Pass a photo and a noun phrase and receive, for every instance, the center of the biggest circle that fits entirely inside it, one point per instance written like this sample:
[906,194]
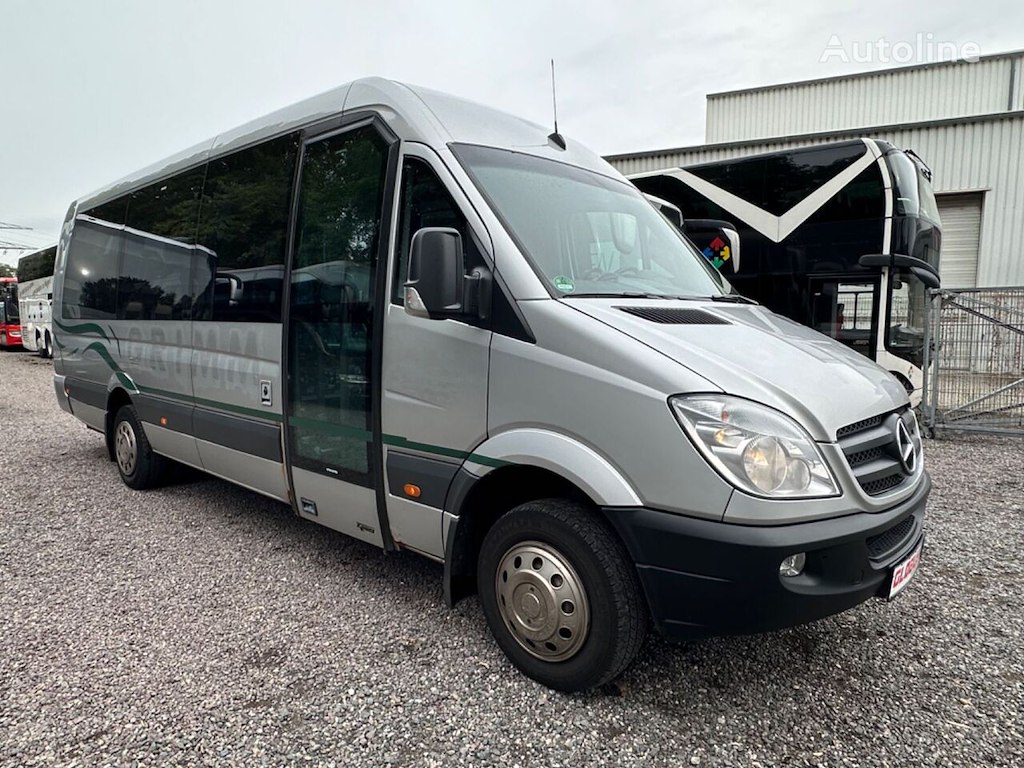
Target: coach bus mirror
[926,276]
[718,240]
[921,269]
[730,235]
[437,274]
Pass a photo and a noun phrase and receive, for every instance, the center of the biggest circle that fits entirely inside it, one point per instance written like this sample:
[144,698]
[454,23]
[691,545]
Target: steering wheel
[624,272]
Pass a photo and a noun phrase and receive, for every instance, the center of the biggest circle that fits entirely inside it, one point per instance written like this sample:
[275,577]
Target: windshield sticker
[563,283]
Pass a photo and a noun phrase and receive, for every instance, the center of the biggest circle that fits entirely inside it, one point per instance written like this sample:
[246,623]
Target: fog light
[793,565]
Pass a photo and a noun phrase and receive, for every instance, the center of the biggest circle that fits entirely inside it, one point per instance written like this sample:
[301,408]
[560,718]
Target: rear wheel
[139,467]
[561,594]
[48,346]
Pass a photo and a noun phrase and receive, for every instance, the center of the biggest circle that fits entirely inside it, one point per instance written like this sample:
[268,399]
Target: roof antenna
[555,138]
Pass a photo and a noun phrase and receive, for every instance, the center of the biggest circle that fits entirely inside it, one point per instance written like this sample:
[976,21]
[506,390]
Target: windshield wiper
[622,295]
[732,298]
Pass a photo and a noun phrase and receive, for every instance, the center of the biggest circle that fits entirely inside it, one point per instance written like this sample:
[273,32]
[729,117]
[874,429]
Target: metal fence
[976,344]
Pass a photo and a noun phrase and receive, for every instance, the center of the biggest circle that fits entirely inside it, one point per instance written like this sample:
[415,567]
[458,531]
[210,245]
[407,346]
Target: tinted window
[114,212]
[155,281]
[425,203]
[157,254]
[90,278]
[779,181]
[168,208]
[331,306]
[36,265]
[243,225]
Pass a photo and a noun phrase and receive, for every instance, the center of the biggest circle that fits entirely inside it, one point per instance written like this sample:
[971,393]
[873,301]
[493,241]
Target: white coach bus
[35,300]
[437,327]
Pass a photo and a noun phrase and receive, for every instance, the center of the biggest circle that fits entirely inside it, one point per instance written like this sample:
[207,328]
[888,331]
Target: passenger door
[332,345]
[434,371]
[845,308]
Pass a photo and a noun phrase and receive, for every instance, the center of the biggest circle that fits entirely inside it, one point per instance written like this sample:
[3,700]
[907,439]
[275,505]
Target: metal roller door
[961,234]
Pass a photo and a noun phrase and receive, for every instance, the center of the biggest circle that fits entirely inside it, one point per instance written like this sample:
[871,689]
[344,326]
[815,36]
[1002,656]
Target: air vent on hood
[674,316]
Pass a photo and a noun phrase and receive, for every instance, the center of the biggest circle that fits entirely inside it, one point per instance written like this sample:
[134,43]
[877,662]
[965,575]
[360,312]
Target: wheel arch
[511,469]
[117,398]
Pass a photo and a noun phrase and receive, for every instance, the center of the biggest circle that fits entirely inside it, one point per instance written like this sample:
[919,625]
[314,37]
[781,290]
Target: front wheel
[561,595]
[138,466]
[48,347]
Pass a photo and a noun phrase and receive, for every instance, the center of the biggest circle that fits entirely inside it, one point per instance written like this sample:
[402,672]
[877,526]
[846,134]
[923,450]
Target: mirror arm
[477,293]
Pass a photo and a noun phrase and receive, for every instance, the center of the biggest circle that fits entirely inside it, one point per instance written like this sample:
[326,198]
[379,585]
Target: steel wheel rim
[126,448]
[542,601]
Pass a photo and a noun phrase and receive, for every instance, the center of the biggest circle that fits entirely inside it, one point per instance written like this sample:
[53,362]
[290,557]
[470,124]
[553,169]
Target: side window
[242,235]
[425,203]
[90,278]
[115,212]
[158,251]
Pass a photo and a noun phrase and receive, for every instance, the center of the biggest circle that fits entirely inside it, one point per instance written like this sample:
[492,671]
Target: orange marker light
[163,421]
[412,491]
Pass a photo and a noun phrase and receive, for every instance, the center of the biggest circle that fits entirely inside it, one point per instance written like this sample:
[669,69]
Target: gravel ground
[201,624]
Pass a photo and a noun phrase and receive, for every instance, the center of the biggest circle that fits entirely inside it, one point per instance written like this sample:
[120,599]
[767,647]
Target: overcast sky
[95,89]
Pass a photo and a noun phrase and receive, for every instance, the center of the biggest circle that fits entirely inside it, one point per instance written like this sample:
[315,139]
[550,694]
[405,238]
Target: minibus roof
[414,113]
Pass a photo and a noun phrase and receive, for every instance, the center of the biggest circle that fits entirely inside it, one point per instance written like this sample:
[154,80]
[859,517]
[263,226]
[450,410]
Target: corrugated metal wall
[909,95]
[986,155]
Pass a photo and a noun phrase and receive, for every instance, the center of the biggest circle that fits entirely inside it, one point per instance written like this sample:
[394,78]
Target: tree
[6,270]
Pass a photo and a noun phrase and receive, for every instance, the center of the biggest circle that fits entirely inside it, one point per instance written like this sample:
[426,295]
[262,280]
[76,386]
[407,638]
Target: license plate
[904,572]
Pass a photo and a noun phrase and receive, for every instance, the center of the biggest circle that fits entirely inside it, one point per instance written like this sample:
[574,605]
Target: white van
[432,326]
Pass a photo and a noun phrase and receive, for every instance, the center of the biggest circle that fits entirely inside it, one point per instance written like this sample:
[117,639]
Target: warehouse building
[965,119]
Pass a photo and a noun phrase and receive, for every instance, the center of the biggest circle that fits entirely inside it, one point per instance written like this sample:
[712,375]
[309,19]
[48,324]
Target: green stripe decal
[99,349]
[398,441]
[326,428]
[241,410]
[82,328]
[487,461]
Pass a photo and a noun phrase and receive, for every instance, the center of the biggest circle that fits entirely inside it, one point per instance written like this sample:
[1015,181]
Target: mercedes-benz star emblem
[905,446]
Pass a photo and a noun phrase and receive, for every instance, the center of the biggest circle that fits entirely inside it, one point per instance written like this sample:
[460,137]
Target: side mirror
[924,271]
[718,240]
[437,274]
[668,210]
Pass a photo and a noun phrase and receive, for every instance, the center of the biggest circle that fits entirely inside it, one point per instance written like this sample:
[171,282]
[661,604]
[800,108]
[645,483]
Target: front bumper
[704,577]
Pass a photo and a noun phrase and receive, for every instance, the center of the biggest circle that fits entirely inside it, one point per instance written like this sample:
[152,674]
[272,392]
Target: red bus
[10,320]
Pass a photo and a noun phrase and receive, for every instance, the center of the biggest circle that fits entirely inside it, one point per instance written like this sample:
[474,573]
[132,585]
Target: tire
[48,347]
[138,466]
[555,565]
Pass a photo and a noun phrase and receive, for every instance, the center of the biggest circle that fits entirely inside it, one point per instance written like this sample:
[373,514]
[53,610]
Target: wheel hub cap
[542,600]
[125,447]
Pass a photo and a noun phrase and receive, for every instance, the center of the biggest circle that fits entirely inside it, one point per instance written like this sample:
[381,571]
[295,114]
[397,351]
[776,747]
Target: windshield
[9,303]
[905,331]
[914,194]
[584,233]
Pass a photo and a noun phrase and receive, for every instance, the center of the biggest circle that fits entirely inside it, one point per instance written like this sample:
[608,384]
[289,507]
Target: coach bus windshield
[916,232]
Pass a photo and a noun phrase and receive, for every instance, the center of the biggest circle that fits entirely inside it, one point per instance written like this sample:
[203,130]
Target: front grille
[890,540]
[674,316]
[863,457]
[858,426]
[878,487]
[872,450]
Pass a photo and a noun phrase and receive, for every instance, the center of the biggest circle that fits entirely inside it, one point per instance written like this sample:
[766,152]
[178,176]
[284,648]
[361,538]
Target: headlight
[757,449]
